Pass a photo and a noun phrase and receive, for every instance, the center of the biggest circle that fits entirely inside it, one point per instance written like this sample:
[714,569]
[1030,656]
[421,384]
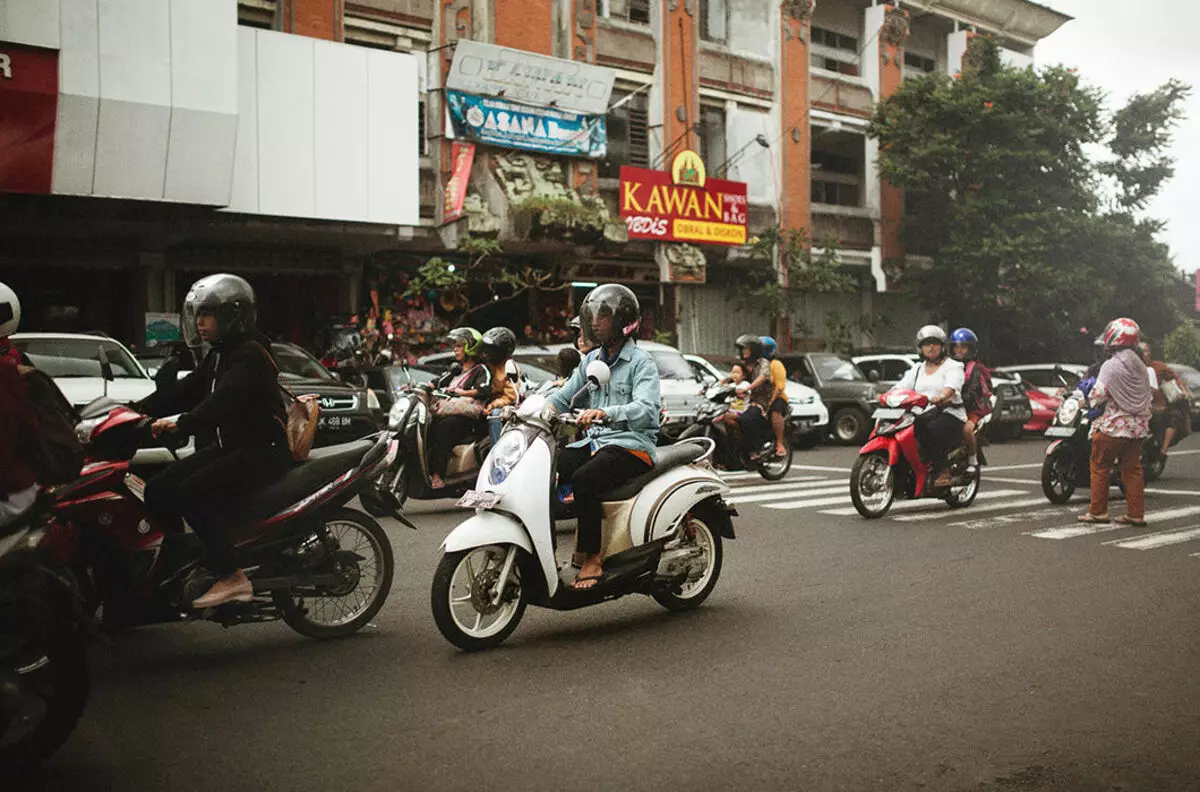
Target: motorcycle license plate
[392,452]
[474,499]
[887,414]
[1060,431]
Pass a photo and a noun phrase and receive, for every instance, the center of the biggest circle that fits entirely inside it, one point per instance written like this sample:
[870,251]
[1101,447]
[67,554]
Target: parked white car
[1049,378]
[888,368]
[809,417]
[72,360]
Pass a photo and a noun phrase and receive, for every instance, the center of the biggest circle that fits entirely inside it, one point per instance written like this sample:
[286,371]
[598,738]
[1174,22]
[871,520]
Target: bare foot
[435,482]
[780,451]
[589,574]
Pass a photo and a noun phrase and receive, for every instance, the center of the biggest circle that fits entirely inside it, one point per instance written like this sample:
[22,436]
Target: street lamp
[723,168]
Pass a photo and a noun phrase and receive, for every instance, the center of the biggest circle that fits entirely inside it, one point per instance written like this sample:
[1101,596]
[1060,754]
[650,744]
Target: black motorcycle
[731,453]
[43,659]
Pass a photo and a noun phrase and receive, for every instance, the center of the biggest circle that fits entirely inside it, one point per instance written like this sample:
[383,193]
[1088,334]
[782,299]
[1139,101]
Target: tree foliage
[1005,195]
[1182,345]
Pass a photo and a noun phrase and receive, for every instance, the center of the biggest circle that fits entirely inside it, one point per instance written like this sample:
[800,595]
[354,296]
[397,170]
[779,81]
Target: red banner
[28,107]
[462,157]
[654,206]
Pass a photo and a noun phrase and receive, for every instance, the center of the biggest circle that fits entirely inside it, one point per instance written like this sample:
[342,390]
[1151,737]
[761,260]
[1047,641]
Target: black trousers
[591,476]
[449,431]
[756,430]
[206,488]
[941,433]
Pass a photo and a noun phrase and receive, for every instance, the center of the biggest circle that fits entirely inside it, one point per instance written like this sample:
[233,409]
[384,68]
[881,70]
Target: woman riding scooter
[459,417]
[941,379]
[232,403]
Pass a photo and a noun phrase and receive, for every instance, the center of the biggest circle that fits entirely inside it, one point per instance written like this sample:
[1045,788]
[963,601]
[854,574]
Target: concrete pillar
[956,49]
[584,176]
[886,29]
[153,266]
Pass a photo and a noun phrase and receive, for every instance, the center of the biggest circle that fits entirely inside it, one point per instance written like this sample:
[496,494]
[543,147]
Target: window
[712,137]
[714,20]
[422,140]
[628,136]
[635,11]
[916,64]
[834,193]
[835,52]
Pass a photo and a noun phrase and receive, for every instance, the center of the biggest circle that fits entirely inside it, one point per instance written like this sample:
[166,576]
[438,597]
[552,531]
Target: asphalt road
[983,649]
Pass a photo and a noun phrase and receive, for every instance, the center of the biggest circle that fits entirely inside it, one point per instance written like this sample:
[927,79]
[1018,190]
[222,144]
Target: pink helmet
[1121,334]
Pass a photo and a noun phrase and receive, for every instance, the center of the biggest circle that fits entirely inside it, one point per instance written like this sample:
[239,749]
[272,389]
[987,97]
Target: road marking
[1162,539]
[1157,491]
[785,483]
[974,509]
[930,503]
[821,468]
[1182,453]
[809,503]
[1027,482]
[1008,519]
[1086,529]
[1014,467]
[791,493]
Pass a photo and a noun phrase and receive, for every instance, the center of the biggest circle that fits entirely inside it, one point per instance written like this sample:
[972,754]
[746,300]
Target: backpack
[977,392]
[55,452]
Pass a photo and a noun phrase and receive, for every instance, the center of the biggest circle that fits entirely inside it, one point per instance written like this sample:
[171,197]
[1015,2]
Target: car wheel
[850,426]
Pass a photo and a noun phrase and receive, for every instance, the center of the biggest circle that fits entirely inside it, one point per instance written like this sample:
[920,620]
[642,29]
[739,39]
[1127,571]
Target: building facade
[775,94]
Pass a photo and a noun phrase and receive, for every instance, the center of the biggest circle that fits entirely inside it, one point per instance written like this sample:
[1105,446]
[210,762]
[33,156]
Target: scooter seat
[304,478]
[666,458]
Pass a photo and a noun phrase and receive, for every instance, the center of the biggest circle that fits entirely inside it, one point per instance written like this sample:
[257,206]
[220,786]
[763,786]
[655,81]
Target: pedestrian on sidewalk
[1124,388]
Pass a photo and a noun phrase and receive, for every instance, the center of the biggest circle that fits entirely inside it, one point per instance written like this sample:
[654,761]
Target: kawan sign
[683,205]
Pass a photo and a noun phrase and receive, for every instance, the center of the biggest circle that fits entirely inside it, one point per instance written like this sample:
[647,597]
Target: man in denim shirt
[621,446]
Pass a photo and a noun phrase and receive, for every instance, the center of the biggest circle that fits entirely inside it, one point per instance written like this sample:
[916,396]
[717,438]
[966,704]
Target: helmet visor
[602,313]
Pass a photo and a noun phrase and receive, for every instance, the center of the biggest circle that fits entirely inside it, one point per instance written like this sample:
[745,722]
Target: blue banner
[546,130]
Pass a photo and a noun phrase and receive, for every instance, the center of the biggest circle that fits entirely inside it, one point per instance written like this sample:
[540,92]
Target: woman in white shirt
[941,379]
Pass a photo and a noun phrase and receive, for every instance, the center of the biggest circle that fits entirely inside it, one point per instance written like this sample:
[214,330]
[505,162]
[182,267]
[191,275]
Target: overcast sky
[1127,46]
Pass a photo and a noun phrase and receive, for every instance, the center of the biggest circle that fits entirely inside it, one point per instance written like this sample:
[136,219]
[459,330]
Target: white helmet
[931,333]
[10,311]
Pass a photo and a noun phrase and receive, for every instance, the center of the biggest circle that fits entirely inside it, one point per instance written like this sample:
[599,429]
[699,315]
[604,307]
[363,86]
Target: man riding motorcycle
[232,404]
[753,424]
[621,420]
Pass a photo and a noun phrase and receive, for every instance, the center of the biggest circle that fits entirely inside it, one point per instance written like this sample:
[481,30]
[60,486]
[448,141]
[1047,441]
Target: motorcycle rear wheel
[702,532]
[335,614]
[44,677]
[461,598]
[1058,480]
[1153,467]
[964,496]
[874,502]
[775,468]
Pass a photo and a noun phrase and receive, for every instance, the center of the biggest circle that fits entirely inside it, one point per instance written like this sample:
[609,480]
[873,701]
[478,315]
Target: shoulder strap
[284,389]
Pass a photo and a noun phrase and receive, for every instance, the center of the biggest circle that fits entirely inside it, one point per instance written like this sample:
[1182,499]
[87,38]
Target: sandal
[591,580]
[1093,518]
[1125,519]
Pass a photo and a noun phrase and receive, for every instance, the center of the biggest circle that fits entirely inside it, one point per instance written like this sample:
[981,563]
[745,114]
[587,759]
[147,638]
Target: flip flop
[1127,520]
[582,578]
[1092,518]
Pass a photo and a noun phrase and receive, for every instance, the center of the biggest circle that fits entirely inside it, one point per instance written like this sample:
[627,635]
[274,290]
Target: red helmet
[1121,334]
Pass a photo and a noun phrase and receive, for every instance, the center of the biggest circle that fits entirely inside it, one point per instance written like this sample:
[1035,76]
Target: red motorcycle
[324,569]
[890,465]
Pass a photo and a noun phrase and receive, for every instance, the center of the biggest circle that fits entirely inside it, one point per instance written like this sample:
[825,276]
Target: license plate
[392,452]
[887,414]
[474,499]
[334,422]
[1060,431]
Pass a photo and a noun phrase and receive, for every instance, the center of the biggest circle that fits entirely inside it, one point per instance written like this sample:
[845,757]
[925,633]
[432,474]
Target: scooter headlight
[84,429]
[397,413]
[1068,411]
[507,454]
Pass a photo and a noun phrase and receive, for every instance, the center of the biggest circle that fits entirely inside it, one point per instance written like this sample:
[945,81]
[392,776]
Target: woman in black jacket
[233,406]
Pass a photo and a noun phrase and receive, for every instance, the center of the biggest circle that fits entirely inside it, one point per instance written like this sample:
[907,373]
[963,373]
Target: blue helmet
[964,335]
[769,347]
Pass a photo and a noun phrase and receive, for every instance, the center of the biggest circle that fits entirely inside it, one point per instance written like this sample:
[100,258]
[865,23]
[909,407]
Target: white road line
[1182,453]
[1157,491]
[973,509]
[997,520]
[1086,529]
[799,481]
[793,494]
[1013,467]
[928,503]
[1027,482]
[1162,539]
[822,468]
[809,503]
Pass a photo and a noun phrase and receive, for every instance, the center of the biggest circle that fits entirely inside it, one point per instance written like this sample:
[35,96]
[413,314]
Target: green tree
[1004,198]
[1182,345]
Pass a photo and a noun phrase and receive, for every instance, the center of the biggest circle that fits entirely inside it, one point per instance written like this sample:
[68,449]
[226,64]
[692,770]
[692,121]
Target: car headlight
[1068,411]
[397,413]
[372,400]
[507,454]
[84,429]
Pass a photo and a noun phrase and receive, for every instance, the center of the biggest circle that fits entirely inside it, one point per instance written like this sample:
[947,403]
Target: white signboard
[529,78]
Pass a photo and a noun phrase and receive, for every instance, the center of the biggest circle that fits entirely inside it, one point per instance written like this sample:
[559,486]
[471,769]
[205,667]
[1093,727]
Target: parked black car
[387,381]
[347,412]
[1012,410]
[847,393]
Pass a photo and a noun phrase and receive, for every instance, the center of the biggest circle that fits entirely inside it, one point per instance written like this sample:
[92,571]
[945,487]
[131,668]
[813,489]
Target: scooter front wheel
[464,602]
[872,485]
[1058,475]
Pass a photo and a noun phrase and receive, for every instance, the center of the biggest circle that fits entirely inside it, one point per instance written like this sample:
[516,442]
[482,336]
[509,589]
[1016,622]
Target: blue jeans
[494,426]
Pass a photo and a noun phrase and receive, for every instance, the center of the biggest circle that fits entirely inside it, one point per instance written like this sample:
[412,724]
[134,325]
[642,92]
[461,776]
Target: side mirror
[873,375]
[105,365]
[598,373]
[708,380]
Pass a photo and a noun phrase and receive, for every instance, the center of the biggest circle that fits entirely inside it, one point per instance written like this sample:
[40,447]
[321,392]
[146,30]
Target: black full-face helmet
[752,342]
[497,345]
[229,299]
[610,300]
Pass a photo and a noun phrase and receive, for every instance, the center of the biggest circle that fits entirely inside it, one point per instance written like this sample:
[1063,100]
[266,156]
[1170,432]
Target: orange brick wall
[680,48]
[891,199]
[796,201]
[316,18]
[524,25]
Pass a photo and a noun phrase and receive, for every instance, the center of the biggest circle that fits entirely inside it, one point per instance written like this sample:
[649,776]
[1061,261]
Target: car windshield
[399,376]
[672,365]
[534,373]
[296,364]
[78,357]
[832,367]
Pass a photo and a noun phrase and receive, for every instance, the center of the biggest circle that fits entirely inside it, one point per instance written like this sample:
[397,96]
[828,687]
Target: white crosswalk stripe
[928,503]
[1160,539]
[787,482]
[973,509]
[1087,529]
[801,491]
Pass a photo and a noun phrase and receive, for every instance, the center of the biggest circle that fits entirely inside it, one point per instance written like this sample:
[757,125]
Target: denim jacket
[631,400]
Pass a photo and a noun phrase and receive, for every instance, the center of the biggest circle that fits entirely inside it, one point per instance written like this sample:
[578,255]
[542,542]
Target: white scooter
[661,533]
